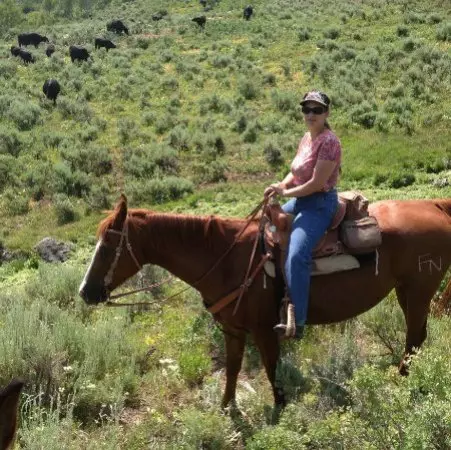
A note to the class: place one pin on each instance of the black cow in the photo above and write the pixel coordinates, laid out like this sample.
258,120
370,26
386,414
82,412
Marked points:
157,16
105,43
200,20
247,12
51,89
31,39
26,57
50,50
117,26
15,50
203,3
79,53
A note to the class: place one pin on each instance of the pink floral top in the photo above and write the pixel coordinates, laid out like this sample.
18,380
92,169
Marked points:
326,147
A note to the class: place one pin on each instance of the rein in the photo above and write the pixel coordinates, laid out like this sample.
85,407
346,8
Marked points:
222,302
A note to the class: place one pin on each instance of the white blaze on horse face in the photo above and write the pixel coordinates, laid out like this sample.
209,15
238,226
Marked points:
83,283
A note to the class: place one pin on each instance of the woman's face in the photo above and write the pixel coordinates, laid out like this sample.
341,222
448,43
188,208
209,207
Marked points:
315,115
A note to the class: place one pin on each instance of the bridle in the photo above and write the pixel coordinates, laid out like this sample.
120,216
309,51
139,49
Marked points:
237,293
124,239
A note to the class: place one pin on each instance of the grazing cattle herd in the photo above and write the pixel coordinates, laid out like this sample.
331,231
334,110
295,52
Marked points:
51,87
9,396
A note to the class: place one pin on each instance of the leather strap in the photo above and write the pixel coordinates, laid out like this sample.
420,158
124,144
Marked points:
229,298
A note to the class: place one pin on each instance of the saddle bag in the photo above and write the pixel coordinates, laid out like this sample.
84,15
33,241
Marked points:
356,204
361,235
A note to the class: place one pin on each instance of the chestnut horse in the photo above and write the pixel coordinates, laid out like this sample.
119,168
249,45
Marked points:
9,401
413,259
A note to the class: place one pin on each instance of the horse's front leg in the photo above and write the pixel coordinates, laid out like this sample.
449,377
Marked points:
269,347
234,356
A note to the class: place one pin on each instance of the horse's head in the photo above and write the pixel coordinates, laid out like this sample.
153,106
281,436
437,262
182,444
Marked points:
9,401
114,259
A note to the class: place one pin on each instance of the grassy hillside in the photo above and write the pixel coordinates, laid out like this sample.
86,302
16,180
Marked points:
174,107
200,121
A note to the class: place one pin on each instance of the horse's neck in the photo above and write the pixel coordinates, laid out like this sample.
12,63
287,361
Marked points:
188,246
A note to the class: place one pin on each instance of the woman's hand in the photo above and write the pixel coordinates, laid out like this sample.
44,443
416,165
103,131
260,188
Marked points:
275,188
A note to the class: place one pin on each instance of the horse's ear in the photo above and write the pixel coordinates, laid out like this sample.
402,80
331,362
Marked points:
121,209
9,401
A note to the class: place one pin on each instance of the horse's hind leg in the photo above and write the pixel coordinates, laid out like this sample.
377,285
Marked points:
234,356
415,299
269,347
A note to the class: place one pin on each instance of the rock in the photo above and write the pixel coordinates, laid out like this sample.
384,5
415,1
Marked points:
50,250
9,255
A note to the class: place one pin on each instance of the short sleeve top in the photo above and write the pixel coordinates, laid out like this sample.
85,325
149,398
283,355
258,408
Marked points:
326,146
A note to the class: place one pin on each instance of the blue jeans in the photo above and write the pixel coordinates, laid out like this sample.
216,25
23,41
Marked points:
313,215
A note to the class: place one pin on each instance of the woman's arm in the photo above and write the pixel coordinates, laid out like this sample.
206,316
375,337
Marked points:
287,182
322,172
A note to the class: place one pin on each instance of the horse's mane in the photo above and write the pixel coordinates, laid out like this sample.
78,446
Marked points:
109,220
188,226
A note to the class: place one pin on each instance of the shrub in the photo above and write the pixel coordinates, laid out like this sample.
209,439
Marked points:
444,32
250,135
401,180
24,115
269,78
76,110
166,159
409,45
159,190
247,88
142,42
240,125
271,437
415,18
402,31
169,83
8,168
126,129
66,181
221,61
284,101
304,34
398,91
382,122
364,114
179,138
91,160
331,33
273,155
434,18
11,142
194,365
15,203
64,209
197,429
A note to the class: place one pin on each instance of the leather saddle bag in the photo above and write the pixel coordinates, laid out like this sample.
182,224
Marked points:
361,235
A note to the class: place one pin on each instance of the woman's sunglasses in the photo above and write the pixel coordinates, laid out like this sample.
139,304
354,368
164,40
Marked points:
315,110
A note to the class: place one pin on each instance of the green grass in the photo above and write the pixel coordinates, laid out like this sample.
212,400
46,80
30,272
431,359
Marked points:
179,120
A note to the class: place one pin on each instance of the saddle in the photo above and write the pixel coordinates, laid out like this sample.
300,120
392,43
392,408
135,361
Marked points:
352,232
